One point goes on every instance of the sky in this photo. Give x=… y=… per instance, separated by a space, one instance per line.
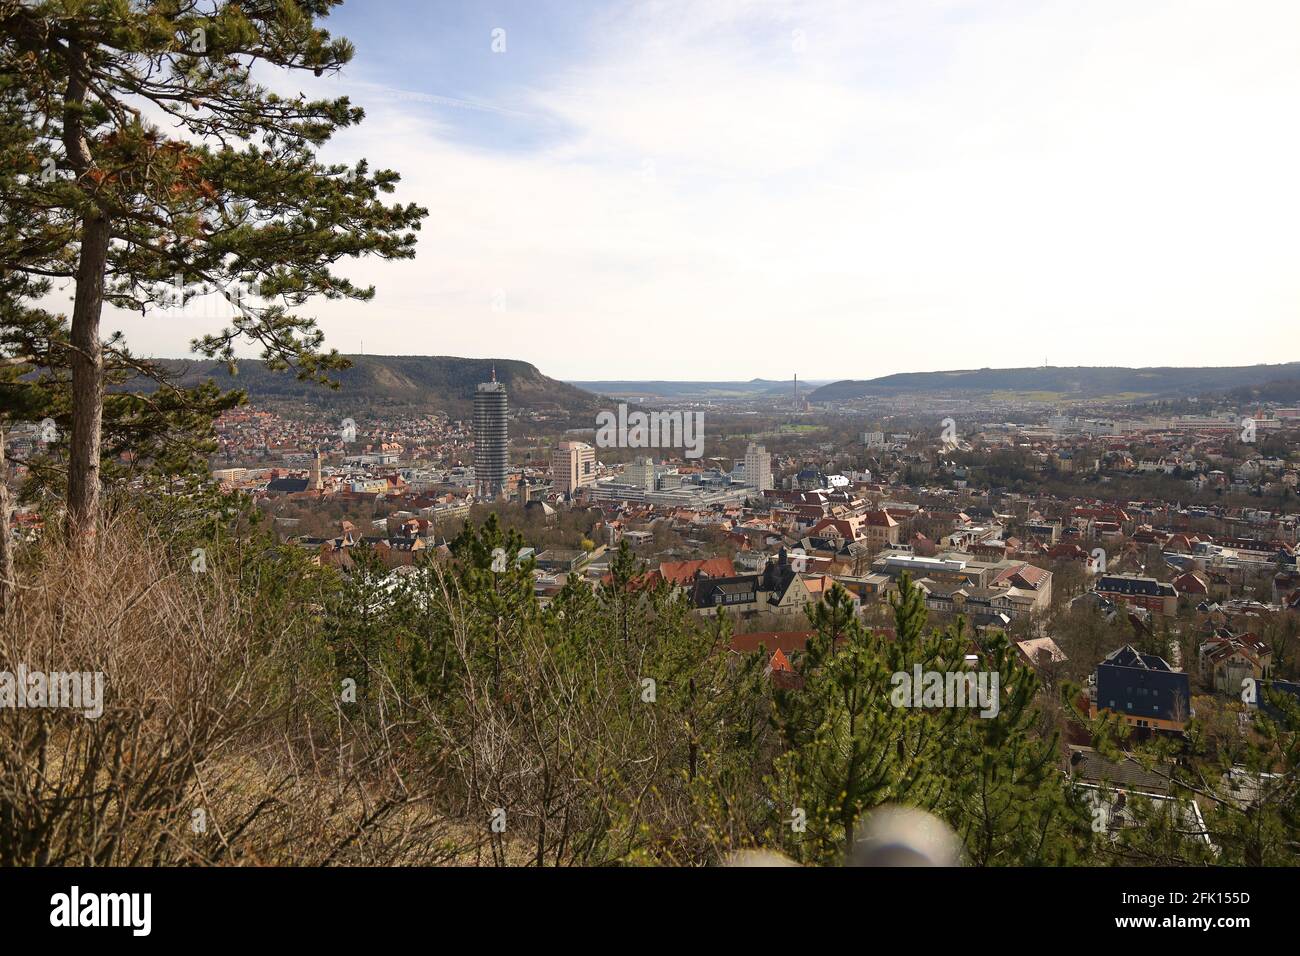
x=731 y=189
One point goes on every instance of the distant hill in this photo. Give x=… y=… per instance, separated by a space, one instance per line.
x=1078 y=383
x=1283 y=390
x=434 y=382
x=699 y=391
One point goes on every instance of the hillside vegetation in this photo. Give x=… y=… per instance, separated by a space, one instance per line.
x=427 y=382
x=1078 y=383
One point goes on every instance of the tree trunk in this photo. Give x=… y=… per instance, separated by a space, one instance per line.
x=6 y=542
x=87 y=380
x=87 y=351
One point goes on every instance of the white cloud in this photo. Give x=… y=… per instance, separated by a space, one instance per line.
x=920 y=186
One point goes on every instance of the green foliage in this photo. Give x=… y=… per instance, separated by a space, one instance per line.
x=852 y=746
x=614 y=726
x=1233 y=790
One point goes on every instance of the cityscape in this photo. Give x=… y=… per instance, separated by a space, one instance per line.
x=697 y=435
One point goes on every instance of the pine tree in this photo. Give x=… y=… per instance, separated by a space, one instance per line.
x=361 y=619
x=851 y=748
x=1244 y=781
x=855 y=744
x=1007 y=797
x=230 y=200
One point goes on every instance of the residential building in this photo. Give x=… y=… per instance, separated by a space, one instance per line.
x=879 y=529
x=778 y=587
x=1143 y=690
x=1041 y=653
x=955 y=583
x=1228 y=659
x=1108 y=787
x=1156 y=596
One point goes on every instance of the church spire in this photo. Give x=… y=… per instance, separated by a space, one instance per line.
x=314 y=481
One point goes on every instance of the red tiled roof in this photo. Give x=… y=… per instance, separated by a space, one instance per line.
x=683 y=572
x=1249 y=645
x=1191 y=583
x=780 y=662
x=785 y=641
x=1021 y=575
x=879 y=519
x=1033 y=576
x=845 y=528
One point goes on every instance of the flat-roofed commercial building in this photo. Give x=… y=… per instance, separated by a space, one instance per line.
x=573 y=464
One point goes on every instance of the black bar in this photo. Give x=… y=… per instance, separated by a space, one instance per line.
x=338 y=906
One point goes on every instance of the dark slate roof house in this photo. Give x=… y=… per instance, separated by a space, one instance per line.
x=1129 y=584
x=1143 y=689
x=287 y=485
x=720 y=592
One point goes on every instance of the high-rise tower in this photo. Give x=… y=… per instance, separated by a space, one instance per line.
x=491 y=442
x=758 y=467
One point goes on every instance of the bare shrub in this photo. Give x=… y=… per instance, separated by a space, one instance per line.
x=204 y=752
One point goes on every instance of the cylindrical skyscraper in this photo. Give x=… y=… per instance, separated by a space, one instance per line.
x=491 y=442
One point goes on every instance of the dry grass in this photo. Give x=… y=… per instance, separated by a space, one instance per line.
x=204 y=754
